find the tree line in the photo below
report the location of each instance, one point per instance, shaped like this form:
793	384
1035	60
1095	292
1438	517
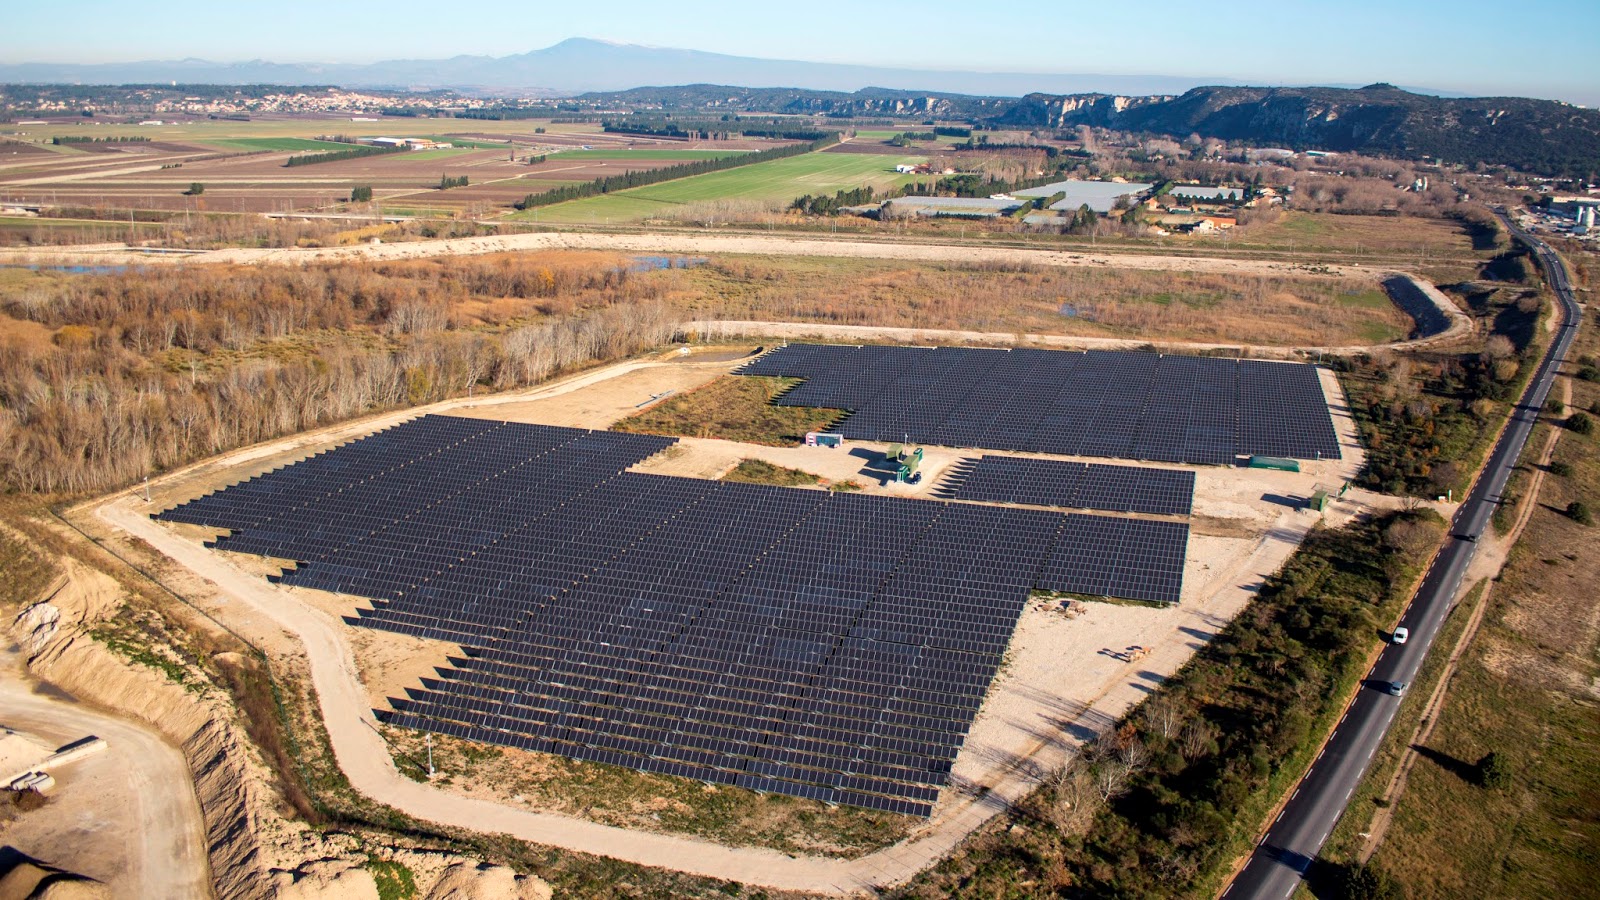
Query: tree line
308	159
85	139
148	370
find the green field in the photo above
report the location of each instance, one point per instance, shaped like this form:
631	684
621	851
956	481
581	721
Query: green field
779	181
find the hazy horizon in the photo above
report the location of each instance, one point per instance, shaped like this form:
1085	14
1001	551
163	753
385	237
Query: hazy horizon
1403	42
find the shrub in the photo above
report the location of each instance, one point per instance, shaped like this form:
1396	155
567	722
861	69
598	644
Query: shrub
1578	511
1560	469
1494	772
1579	423
361	194
195	189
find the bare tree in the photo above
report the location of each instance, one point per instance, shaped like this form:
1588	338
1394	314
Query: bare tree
1164	715
1197	738
1110	777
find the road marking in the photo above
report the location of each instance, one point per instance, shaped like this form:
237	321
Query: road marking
1295	794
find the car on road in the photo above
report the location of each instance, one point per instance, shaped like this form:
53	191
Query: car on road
1397	688
1400	635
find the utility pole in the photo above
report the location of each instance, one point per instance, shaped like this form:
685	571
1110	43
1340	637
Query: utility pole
430	756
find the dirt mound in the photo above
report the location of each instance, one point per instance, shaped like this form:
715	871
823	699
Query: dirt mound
464	881
332	879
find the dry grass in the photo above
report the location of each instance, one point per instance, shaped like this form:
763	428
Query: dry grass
734	408
1123	303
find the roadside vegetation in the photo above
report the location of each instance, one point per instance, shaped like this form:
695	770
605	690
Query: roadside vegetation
1162	804
1427	418
733	408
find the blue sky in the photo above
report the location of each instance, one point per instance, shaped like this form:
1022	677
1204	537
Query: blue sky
1542	48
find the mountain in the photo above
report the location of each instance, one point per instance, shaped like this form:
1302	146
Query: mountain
1538	135
578	65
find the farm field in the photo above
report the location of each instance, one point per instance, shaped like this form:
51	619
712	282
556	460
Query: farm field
241	165
777	182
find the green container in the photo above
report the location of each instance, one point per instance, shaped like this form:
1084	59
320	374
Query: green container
1274	462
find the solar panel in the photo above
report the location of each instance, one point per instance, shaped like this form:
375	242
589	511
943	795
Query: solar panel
823	645
1115	404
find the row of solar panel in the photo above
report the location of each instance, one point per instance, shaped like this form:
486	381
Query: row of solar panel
1095	403
1071	485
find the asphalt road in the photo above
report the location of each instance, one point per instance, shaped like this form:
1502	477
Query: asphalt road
1278	864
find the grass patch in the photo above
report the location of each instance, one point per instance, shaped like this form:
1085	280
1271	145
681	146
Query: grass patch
124	637
733	408
394	880
759	471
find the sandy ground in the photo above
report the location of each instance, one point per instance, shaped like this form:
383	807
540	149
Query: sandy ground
126	817
695	244
1065	680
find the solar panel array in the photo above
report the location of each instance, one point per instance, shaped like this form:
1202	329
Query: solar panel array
825	645
1102	556
1071	485
1124	405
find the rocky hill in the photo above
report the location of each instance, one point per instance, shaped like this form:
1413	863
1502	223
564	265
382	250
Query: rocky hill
1542	136
1538	135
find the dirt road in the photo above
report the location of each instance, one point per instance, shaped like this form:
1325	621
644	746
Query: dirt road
127	817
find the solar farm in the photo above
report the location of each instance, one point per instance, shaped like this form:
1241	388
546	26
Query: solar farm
1122	405
831	646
